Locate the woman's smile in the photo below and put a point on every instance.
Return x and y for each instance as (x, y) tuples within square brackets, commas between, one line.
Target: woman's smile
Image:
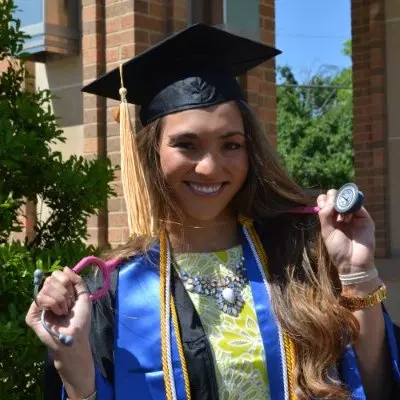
[(206, 189)]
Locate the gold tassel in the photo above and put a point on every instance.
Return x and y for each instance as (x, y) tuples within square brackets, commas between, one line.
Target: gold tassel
[(134, 184)]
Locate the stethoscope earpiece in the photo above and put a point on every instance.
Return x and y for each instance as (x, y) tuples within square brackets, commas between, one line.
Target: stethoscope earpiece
[(64, 339), (37, 277)]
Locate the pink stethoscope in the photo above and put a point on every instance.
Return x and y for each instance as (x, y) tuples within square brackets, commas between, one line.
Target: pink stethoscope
[(105, 267), (348, 200)]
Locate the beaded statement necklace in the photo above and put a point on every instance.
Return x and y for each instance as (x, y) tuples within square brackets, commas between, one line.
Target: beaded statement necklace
[(226, 289)]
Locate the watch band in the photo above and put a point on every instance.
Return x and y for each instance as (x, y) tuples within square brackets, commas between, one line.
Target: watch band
[(359, 303)]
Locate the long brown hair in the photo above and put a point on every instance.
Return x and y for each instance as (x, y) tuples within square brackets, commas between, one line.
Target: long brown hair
[(304, 283)]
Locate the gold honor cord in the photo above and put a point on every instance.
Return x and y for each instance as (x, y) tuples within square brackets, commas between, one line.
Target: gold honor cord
[(180, 349), (165, 343), (290, 360), (163, 305)]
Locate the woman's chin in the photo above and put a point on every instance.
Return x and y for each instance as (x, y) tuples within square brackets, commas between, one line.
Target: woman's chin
[(207, 215)]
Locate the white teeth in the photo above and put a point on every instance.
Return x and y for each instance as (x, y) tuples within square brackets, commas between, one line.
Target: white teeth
[(206, 189)]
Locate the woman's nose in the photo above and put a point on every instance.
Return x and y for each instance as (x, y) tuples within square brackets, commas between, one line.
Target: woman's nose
[(208, 165)]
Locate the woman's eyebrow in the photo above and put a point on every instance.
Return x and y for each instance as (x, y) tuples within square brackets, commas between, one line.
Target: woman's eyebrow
[(183, 135), (191, 135), (231, 134)]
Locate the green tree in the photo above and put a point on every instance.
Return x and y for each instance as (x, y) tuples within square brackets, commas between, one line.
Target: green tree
[(30, 170), (315, 126)]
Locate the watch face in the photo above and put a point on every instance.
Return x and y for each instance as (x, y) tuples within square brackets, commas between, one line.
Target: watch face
[(347, 197)]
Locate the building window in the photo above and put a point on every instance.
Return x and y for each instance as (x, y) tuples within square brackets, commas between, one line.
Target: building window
[(54, 27)]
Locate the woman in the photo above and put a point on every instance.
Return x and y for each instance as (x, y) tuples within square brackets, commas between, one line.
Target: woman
[(223, 291)]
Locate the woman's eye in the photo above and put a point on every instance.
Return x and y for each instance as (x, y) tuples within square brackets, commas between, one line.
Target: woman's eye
[(232, 146), (185, 145)]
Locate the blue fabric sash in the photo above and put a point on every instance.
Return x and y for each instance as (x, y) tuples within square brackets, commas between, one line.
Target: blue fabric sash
[(270, 332), (138, 366)]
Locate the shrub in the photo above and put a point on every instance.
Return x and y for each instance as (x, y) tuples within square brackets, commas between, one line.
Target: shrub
[(30, 170), (21, 352)]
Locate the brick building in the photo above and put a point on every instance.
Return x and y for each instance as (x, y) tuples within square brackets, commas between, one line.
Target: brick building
[(76, 45)]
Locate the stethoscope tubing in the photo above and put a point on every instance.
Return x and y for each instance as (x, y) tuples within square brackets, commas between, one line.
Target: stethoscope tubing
[(343, 204)]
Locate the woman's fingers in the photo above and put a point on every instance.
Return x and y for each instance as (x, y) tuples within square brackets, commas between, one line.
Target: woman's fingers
[(56, 305), (327, 210), (67, 283), (77, 281), (58, 292)]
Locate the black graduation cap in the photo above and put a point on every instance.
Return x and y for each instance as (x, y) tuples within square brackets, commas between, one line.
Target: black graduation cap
[(193, 68)]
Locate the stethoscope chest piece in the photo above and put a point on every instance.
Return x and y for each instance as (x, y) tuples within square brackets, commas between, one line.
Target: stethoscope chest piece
[(349, 199)]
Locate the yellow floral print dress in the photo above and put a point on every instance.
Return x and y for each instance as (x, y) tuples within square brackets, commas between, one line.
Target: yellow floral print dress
[(236, 342)]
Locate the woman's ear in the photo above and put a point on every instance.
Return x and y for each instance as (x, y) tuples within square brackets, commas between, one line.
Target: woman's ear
[(116, 114)]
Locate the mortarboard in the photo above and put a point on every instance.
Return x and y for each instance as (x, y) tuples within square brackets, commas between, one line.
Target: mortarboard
[(193, 68)]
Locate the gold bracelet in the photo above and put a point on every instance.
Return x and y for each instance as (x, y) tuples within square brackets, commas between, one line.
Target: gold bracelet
[(359, 303)]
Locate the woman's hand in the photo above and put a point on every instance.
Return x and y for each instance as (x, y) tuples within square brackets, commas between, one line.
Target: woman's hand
[(67, 313), (349, 239)]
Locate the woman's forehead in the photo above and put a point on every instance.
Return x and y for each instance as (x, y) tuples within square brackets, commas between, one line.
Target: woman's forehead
[(221, 117)]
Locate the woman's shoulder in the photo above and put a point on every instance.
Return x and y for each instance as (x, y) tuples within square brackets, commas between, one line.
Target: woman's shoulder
[(121, 258), (143, 257), (133, 249)]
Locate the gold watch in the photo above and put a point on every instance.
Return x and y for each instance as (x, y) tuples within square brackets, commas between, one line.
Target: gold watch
[(359, 303)]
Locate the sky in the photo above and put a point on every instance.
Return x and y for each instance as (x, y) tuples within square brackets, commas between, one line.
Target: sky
[(311, 34)]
